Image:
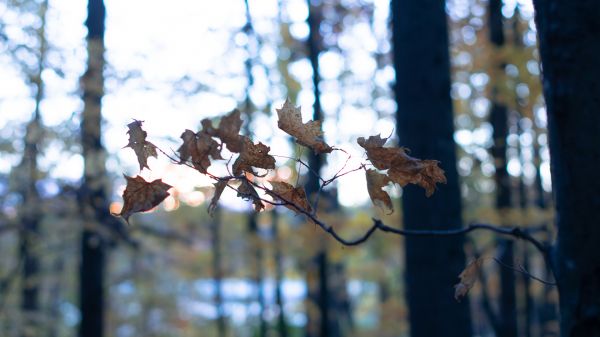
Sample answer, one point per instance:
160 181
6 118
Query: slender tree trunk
279 276
217 266
30 212
317 280
569 39
425 126
499 121
93 195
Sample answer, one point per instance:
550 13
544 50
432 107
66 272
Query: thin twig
523 271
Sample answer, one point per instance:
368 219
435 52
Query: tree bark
425 126
317 280
93 194
279 276
569 39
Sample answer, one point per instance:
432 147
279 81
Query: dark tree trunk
318 267
93 195
279 275
425 126
499 121
258 271
30 212
569 39
217 266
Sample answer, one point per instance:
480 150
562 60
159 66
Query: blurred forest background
70 84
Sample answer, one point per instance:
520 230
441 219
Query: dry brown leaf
198 146
308 134
380 198
402 168
288 193
228 131
253 155
137 141
247 192
140 195
467 279
219 187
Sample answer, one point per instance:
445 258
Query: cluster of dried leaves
200 149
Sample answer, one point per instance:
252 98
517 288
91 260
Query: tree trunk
93 195
217 266
317 281
569 34
30 212
425 126
279 276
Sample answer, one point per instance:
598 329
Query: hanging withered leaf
308 134
228 131
137 141
467 279
198 146
219 187
247 192
380 198
253 155
141 196
402 168
290 194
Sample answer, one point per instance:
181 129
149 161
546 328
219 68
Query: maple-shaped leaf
140 195
198 146
228 131
375 182
290 194
253 155
219 187
247 192
137 141
308 134
467 279
402 168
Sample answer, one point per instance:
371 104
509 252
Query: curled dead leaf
219 187
402 168
380 198
141 196
308 134
290 194
228 131
253 155
137 141
198 146
247 192
468 277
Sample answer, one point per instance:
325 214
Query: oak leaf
140 195
467 279
219 187
402 168
247 192
290 194
253 155
137 141
198 146
308 134
375 182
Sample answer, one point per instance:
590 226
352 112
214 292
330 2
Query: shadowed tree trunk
569 39
93 194
279 276
425 126
30 212
499 121
317 280
217 266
